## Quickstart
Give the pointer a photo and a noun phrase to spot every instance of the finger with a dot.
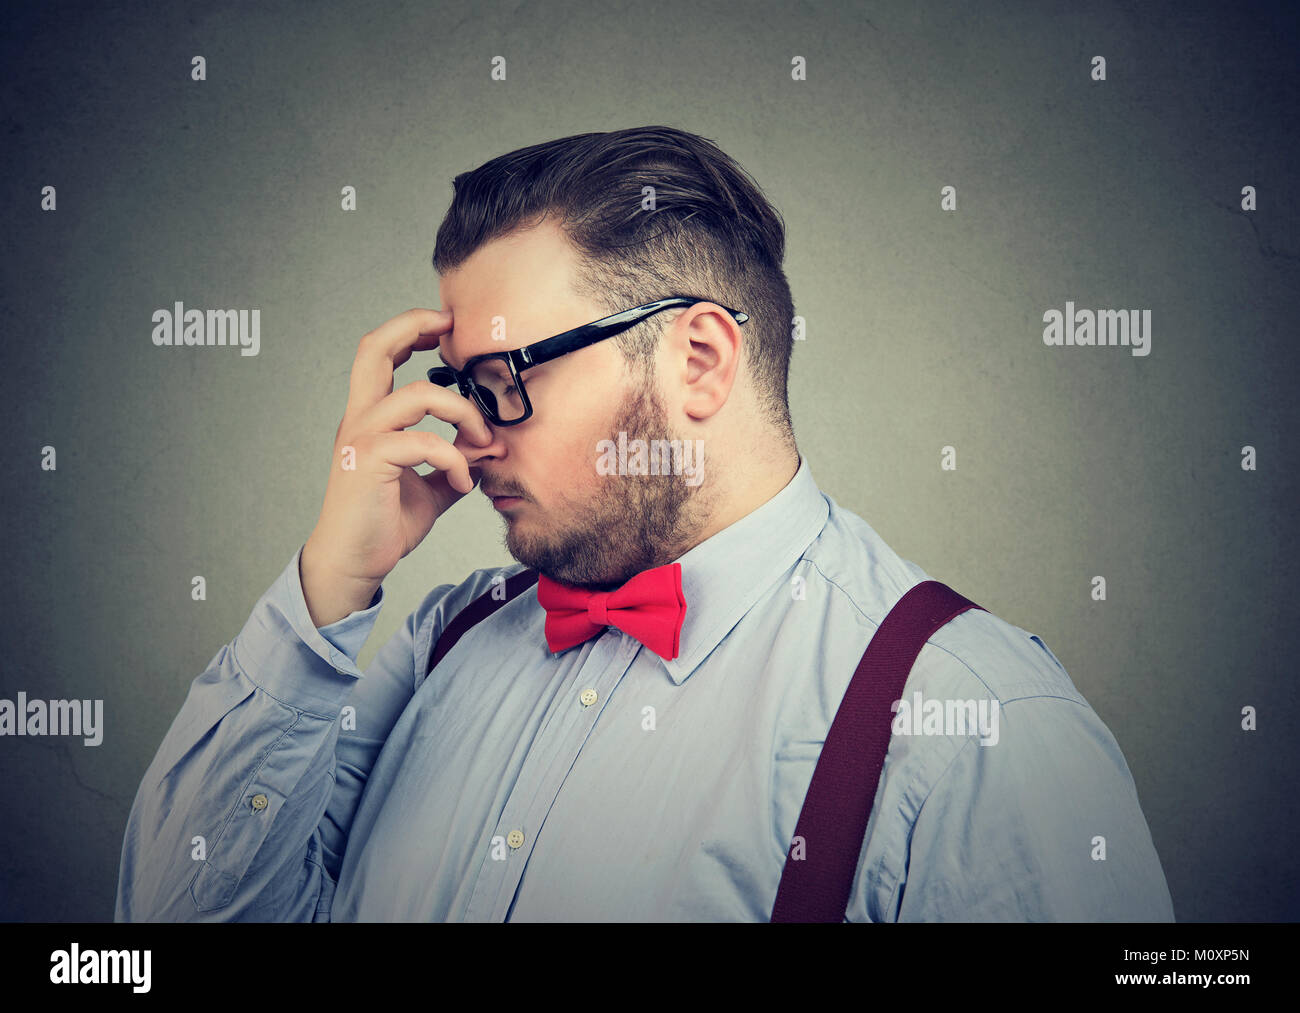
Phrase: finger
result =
(408, 448)
(420, 398)
(380, 352)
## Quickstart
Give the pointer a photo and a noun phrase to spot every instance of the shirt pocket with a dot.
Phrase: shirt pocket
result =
(1036, 639)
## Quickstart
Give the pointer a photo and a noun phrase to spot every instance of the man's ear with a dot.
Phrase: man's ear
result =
(708, 344)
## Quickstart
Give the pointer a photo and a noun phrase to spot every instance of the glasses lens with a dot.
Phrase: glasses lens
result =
(497, 387)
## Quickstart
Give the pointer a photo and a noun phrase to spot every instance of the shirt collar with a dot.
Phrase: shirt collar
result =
(727, 573)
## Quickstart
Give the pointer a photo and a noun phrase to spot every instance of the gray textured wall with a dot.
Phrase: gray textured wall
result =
(923, 327)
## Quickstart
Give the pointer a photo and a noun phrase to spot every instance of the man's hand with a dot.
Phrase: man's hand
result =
(377, 509)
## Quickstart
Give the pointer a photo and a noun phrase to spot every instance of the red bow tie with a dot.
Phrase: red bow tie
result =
(649, 607)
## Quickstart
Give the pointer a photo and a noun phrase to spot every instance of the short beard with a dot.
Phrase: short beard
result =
(634, 522)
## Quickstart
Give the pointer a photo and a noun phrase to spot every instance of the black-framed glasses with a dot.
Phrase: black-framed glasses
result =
(493, 380)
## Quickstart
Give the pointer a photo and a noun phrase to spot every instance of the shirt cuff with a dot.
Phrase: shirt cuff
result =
(281, 650)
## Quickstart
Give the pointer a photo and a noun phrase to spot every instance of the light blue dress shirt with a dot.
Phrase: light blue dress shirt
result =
(606, 784)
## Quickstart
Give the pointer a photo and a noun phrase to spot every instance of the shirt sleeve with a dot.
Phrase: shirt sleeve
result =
(1042, 825)
(244, 813)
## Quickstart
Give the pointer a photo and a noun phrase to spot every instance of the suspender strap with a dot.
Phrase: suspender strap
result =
(480, 608)
(835, 811)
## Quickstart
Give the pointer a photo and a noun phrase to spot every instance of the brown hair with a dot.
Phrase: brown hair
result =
(712, 234)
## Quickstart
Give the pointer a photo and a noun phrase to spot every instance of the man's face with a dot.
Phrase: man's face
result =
(570, 522)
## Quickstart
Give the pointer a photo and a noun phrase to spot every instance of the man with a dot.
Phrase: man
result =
(554, 766)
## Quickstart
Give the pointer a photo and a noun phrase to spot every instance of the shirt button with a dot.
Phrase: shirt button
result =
(589, 697)
(259, 802)
(515, 839)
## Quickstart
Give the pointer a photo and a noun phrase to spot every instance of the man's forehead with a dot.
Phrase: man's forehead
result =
(505, 322)
(479, 330)
(511, 291)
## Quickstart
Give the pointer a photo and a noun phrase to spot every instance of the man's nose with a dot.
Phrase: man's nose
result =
(473, 451)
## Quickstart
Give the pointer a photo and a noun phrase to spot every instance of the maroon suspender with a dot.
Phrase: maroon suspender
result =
(833, 820)
(480, 608)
